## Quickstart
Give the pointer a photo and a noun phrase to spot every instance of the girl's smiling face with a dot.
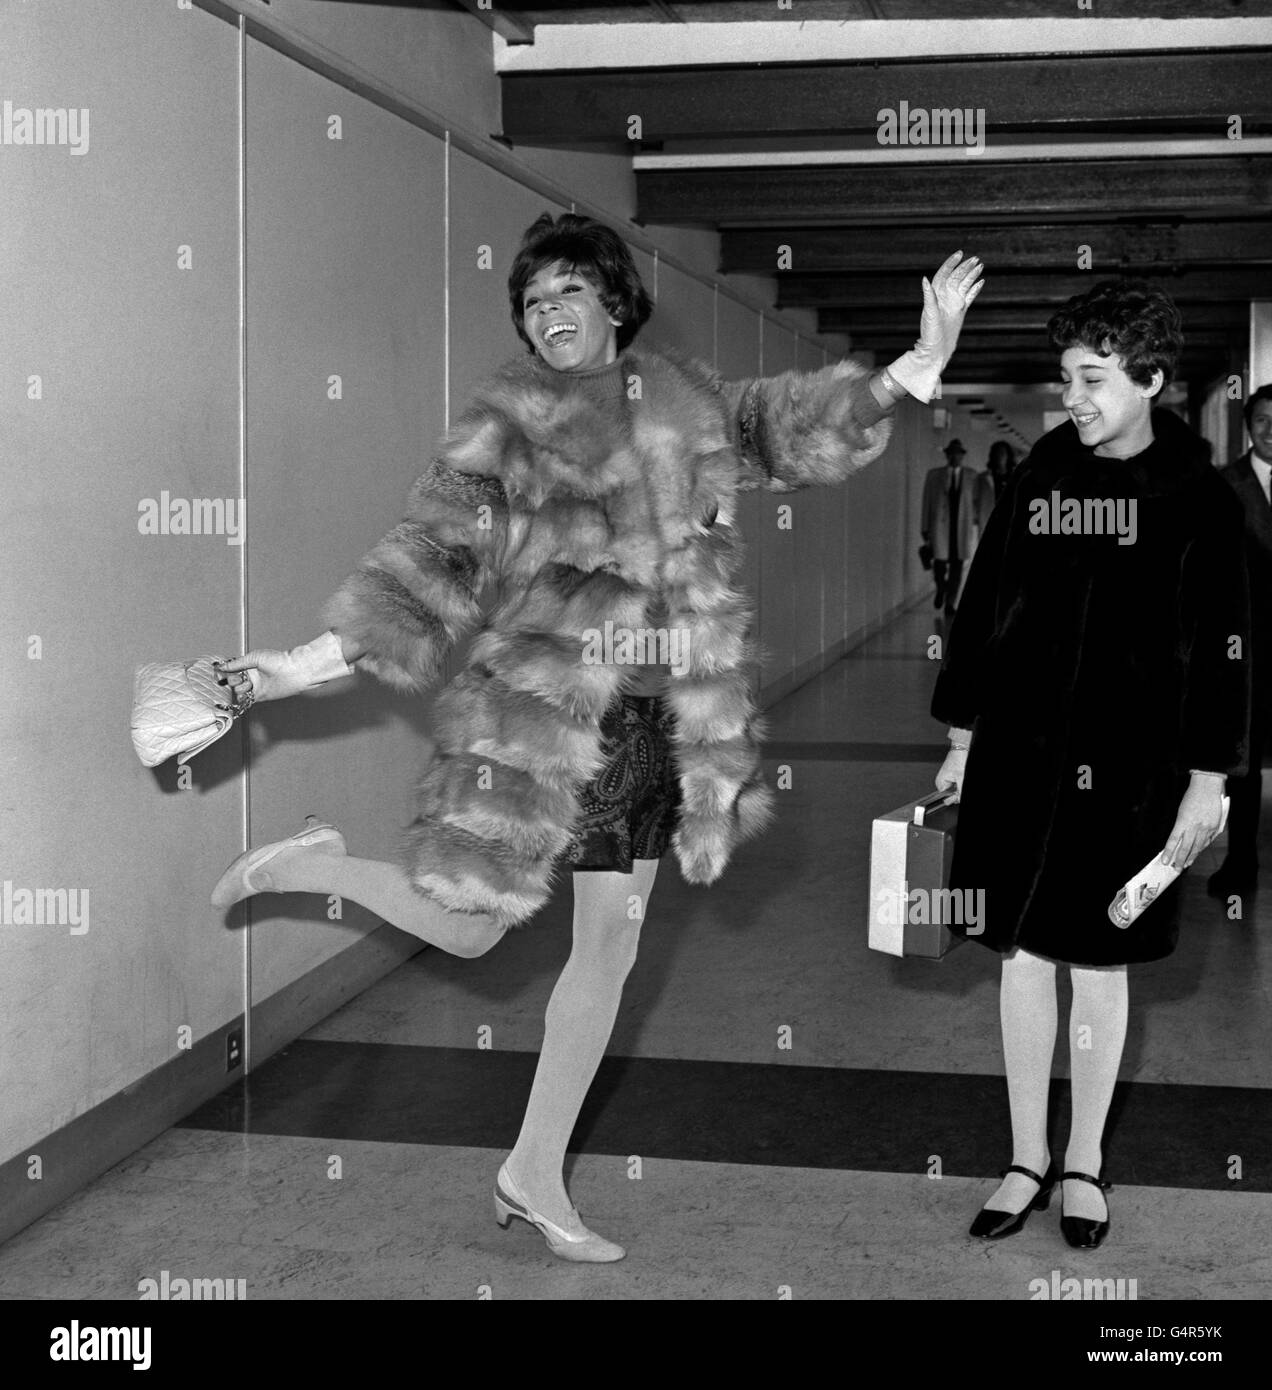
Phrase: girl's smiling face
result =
(1111, 411)
(570, 328)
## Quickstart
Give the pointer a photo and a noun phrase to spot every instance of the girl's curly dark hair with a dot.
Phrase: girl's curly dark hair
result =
(591, 249)
(1133, 319)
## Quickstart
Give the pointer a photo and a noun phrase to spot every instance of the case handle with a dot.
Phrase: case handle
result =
(934, 801)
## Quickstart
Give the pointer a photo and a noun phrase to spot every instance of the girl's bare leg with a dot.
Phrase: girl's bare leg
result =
(1097, 1033)
(1027, 1008)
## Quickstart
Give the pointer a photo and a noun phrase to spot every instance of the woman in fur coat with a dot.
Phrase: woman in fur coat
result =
(1098, 669)
(588, 493)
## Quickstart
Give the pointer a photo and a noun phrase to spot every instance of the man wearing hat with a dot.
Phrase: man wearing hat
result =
(949, 515)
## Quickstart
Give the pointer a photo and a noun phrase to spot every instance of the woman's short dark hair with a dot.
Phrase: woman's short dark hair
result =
(1001, 447)
(591, 249)
(1130, 318)
(1264, 393)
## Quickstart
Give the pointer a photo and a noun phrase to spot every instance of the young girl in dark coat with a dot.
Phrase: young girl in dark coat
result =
(589, 486)
(1098, 670)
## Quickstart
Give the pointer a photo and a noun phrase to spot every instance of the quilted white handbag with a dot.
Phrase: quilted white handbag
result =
(179, 708)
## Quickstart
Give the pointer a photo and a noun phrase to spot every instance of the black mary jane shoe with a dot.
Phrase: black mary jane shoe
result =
(997, 1225)
(1080, 1231)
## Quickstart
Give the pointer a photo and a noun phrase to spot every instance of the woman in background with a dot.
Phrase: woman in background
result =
(993, 482)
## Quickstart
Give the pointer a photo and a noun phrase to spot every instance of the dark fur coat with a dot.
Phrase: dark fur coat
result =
(1095, 676)
(538, 501)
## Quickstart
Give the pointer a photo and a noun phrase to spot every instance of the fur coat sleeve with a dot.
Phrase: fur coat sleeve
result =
(417, 592)
(805, 429)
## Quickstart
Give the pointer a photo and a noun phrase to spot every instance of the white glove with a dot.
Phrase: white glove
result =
(276, 675)
(946, 298)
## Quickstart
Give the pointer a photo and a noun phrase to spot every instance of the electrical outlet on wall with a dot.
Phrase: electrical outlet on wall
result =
(233, 1049)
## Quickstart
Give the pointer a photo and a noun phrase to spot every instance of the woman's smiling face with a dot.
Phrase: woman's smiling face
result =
(566, 322)
(1110, 410)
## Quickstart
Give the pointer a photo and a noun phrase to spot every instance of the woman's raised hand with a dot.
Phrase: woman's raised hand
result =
(946, 299)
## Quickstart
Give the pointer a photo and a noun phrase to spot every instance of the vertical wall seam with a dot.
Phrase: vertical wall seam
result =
(446, 279)
(715, 327)
(244, 742)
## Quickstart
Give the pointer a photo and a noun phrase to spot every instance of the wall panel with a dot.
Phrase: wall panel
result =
(332, 292)
(780, 563)
(136, 365)
(684, 315)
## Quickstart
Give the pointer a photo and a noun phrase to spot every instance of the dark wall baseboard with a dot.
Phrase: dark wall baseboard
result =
(92, 1143)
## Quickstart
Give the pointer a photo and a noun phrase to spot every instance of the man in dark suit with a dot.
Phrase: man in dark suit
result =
(947, 522)
(1251, 478)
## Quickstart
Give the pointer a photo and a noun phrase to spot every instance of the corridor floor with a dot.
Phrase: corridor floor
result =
(782, 1112)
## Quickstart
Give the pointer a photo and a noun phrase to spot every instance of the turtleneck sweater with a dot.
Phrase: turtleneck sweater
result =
(603, 383)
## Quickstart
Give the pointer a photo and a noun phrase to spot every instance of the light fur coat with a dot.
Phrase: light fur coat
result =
(536, 497)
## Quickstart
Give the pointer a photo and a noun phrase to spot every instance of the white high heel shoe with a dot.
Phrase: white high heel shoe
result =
(581, 1245)
(235, 883)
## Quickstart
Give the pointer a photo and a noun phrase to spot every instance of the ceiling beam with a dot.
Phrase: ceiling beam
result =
(884, 291)
(1185, 93)
(839, 31)
(1040, 246)
(1019, 320)
(1208, 186)
(1008, 375)
(973, 344)
(1025, 349)
(509, 27)
(1044, 367)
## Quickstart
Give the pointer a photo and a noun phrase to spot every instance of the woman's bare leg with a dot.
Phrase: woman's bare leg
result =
(608, 911)
(383, 889)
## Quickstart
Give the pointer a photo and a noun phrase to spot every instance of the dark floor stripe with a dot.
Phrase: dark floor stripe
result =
(733, 1112)
(838, 752)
